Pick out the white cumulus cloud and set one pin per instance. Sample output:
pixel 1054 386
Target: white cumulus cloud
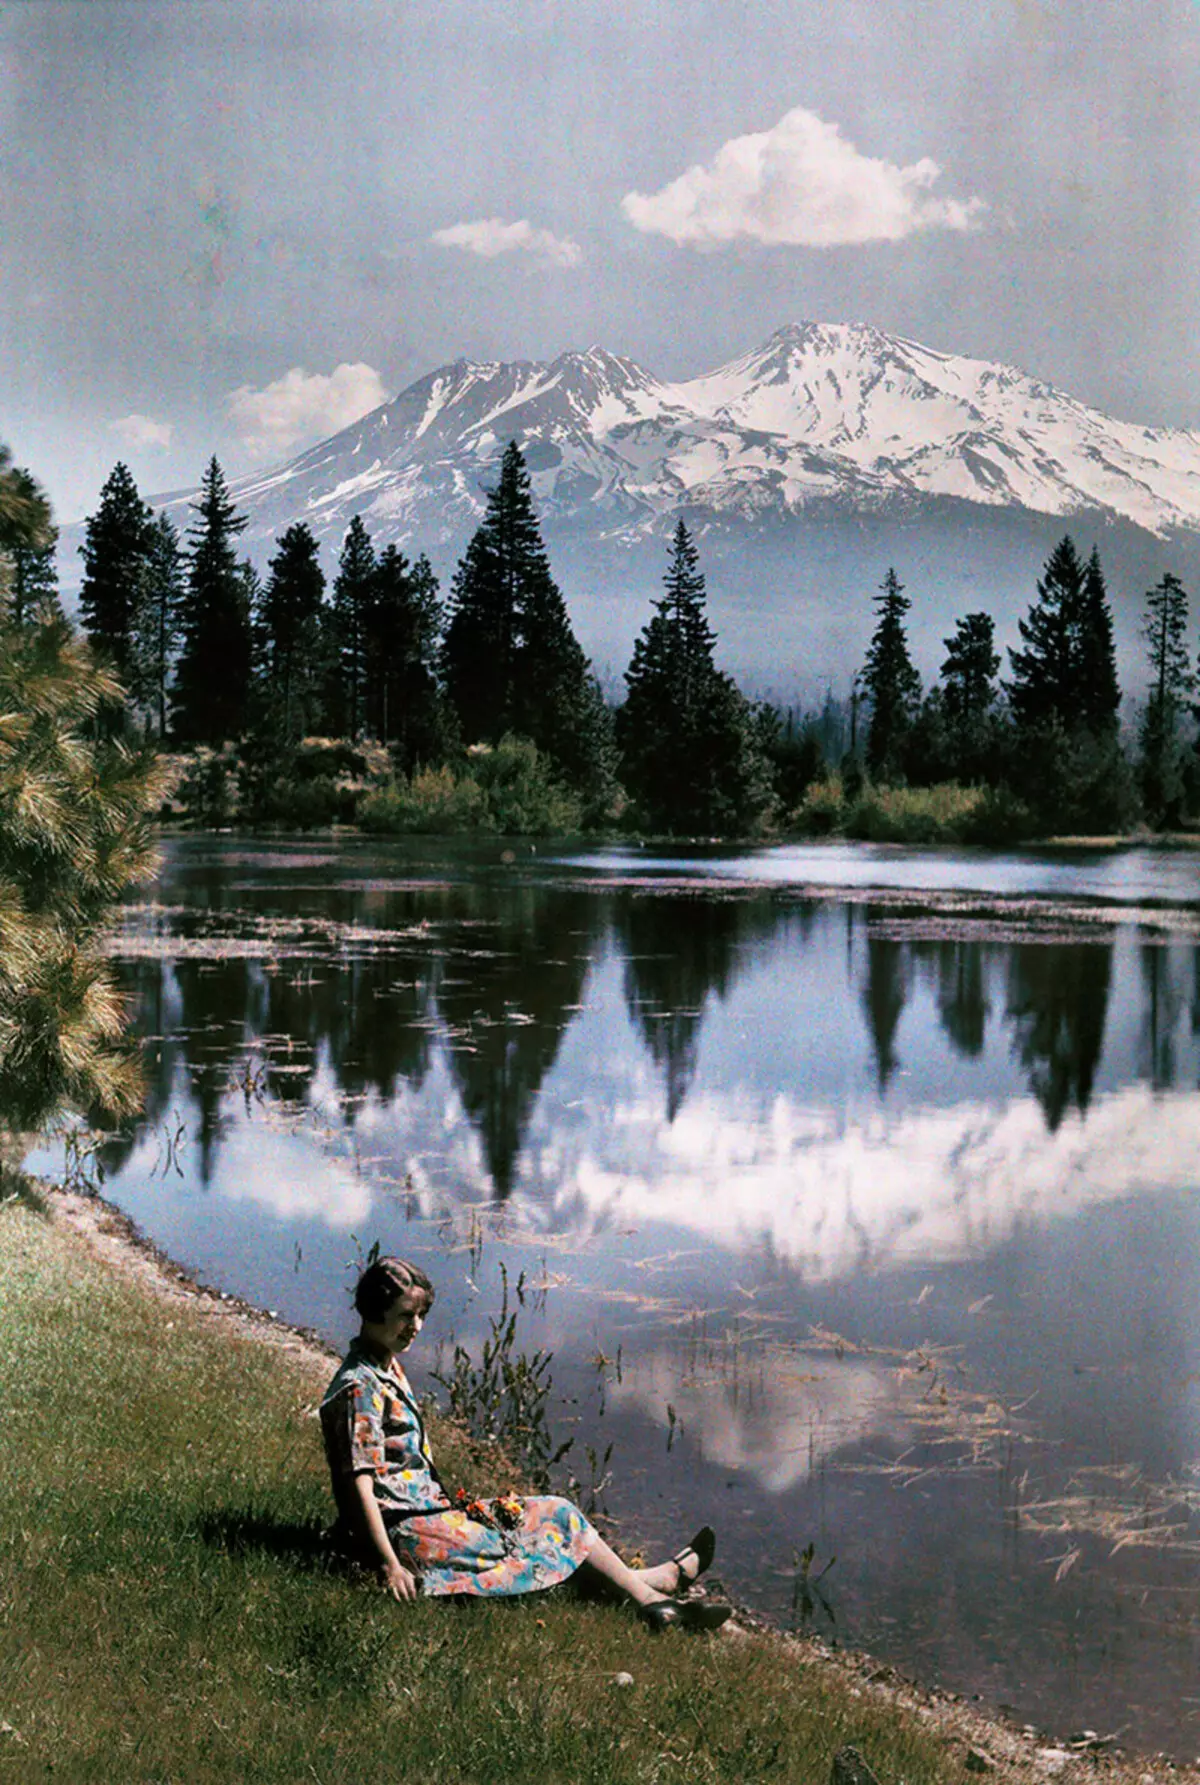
pixel 302 406
pixel 142 430
pixel 491 236
pixel 799 184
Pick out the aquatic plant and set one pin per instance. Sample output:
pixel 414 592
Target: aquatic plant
pixel 503 1397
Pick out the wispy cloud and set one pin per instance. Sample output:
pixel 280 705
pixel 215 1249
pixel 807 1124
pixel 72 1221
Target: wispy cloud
pixel 491 236
pixel 800 184
pixel 142 431
pixel 302 406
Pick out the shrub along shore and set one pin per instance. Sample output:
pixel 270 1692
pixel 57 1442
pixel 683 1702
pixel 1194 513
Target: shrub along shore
pixel 511 791
pixel 168 1614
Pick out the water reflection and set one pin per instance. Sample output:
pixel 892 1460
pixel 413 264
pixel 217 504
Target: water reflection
pixel 504 1006
pixel 947 1135
pixel 884 995
pixel 679 953
pixel 960 973
pixel 721 994
pixel 1057 1000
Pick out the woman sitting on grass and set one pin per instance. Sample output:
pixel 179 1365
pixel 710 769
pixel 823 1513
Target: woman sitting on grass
pixel 400 1520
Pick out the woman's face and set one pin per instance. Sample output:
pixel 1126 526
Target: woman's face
pixel 403 1320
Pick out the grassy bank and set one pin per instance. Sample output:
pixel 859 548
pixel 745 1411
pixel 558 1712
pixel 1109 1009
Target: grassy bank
pixel 165 1613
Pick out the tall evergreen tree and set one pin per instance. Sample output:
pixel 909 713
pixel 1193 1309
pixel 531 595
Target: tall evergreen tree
pixel 690 751
pixel 1099 690
pixel 115 553
pixel 1064 699
pixel 1162 762
pixel 289 620
pixel 212 683
pixel 157 622
pixel 891 683
pixel 1046 675
pixel 511 661
pixel 404 705
pixel 353 592
pixel 968 696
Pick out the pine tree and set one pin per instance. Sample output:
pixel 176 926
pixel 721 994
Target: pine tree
pixel 511 662
pixel 28 567
pixel 404 704
pixel 352 595
pixel 1161 764
pixel 25 519
pixel 1065 700
pixel 157 623
pixel 1099 690
pixel 73 838
pixel 212 681
pixel 890 682
pixel 115 552
pixel 289 621
pixel 1045 688
pixel 35 582
pixel 968 696
pixel 690 750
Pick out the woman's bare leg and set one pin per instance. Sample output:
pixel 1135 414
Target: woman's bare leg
pixel 631 1583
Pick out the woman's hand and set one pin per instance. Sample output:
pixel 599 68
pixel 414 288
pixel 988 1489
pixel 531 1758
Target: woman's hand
pixel 398 1580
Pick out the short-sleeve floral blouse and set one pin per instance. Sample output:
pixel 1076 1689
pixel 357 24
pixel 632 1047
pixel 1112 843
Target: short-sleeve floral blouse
pixel 371 1422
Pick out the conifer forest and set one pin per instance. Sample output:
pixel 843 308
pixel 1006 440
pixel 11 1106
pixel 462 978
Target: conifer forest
pixel 376 697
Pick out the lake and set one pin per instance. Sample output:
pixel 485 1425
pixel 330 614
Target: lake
pixel 853 1189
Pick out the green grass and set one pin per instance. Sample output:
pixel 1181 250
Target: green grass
pixel 166 1613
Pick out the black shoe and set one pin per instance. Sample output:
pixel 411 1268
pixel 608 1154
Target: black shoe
pixel 694 1614
pixel 704 1547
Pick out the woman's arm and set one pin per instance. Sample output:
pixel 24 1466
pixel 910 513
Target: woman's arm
pixel 398 1579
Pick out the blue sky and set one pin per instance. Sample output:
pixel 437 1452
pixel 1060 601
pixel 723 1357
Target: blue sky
pixel 232 227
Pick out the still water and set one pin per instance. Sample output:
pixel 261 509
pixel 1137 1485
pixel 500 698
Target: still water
pixel 855 1192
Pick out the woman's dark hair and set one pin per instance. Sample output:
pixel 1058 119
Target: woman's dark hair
pixel 384 1281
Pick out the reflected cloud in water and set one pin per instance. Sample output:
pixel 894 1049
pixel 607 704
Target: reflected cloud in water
pixel 778 1426
pixel 831 1197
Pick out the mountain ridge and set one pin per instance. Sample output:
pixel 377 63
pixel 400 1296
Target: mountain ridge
pixel 805 467
pixel 818 413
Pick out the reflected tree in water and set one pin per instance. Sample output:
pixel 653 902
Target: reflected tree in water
pixel 216 1005
pixel 153 1002
pixel 961 991
pixel 1164 1005
pixel 885 991
pixel 506 995
pixel 369 1016
pixel 678 952
pixel 1057 1003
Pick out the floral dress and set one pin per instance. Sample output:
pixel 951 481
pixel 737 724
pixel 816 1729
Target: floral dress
pixel 372 1424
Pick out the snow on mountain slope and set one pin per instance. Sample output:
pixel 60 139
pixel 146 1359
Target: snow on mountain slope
pixel 831 418
pixel 936 424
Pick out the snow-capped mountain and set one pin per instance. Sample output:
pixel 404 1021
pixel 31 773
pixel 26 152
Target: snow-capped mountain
pixel 822 417
pixel 805 469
